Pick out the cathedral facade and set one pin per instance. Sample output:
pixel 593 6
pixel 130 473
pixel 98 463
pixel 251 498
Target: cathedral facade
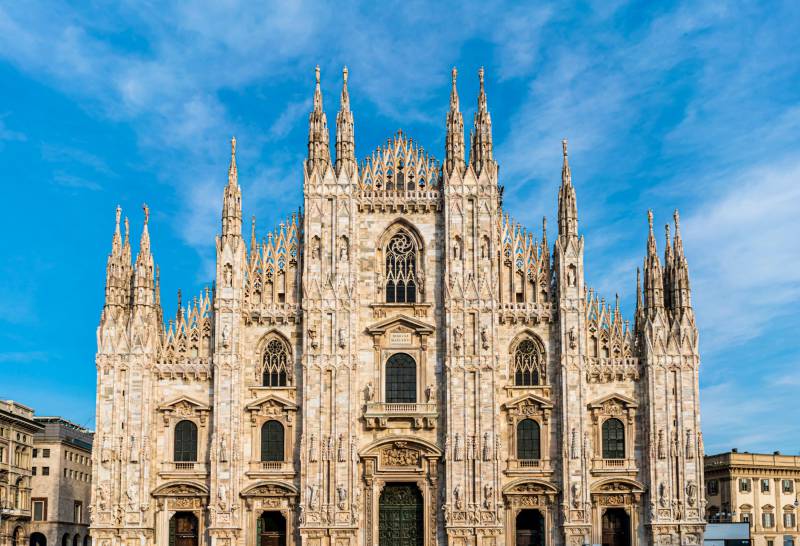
pixel 398 364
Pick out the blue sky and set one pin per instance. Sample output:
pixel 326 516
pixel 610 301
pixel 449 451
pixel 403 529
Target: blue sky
pixel 665 104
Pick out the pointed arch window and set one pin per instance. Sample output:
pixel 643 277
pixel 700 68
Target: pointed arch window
pixel 272 441
pixel 185 442
pixel 401 269
pixel 528 365
pixel 528 440
pixel 275 364
pixel 613 439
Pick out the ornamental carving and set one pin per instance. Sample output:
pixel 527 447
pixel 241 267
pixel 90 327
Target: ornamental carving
pixel 400 455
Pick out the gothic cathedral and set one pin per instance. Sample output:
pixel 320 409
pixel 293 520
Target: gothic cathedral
pixel 398 364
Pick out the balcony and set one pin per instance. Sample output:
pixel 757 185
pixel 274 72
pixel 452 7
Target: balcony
pixel 614 466
pixel 178 469
pixel 419 415
pixel 526 467
pixel 270 469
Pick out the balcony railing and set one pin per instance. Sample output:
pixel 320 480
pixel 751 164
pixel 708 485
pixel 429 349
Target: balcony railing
pixel 614 465
pixel 530 463
pixel 422 415
pixel 184 466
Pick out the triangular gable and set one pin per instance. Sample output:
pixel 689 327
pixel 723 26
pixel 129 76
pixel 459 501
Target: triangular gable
pixel 182 401
pixel 600 402
pixel 417 325
pixel 539 401
pixel 258 404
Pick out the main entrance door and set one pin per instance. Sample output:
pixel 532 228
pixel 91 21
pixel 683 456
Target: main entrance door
pixel 183 529
pixel 530 528
pixel 400 517
pixel 616 528
pixel 271 529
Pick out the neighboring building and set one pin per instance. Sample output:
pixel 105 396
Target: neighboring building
pixel 17 428
pixel 757 488
pixel 62 478
pixel 399 364
pixel 727 534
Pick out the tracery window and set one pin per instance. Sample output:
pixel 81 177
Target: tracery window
pixel 276 358
pixel 528 440
pixel 401 269
pixel 185 442
pixel 528 364
pixel 613 439
pixel 272 441
pixel 401 379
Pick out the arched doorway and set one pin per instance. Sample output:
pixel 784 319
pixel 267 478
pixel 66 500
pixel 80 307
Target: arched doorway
pixel 38 539
pixel 183 529
pixel 16 538
pixel 530 528
pixel 271 529
pixel 400 517
pixel 616 527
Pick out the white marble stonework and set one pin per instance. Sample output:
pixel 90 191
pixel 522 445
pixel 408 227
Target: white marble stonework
pixel 297 344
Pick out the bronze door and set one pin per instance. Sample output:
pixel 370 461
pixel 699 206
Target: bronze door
pixel 400 516
pixel 616 528
pixel 530 528
pixel 271 529
pixel 183 529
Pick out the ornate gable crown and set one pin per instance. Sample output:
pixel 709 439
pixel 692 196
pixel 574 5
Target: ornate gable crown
pixel 400 165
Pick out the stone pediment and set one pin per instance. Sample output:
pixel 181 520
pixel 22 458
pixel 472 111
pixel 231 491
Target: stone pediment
pixel 400 321
pixel 270 489
pixel 271 401
pixel 181 489
pixel 528 400
pixel 618 485
pixel 184 403
pixel 613 401
pixel 408 443
pixel 530 487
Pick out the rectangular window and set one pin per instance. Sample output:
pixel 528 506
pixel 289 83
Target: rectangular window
pixel 45 471
pixel 65 472
pixel 744 485
pixel 746 517
pixel 35 453
pixel 713 487
pixel 768 520
pixel 770 542
pixel 78 512
pixel 46 453
pixel 33 471
pixel 765 486
pixel 39 509
pixel 788 519
pixel 2 454
pixel 787 486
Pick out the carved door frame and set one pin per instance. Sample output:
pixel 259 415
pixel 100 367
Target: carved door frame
pixel 616 493
pixel 400 459
pixel 175 497
pixel 269 496
pixel 527 494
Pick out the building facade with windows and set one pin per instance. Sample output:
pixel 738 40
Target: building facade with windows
pixel 398 364
pixel 760 489
pixel 17 428
pixel 61 484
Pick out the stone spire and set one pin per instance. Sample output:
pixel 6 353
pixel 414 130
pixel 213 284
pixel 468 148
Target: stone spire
pixel 319 154
pixel 653 278
pixel 480 155
pixel 454 141
pixel 143 279
pixel 681 290
pixel 118 269
pixel 567 203
pixel 345 133
pixel 667 268
pixel 232 200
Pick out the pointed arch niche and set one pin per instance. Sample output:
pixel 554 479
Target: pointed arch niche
pixel 400 270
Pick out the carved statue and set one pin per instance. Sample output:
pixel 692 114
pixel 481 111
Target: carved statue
pixel 587 447
pixel 457 497
pixel 572 338
pixel 340 450
pixel 312 337
pixel 134 451
pixel 689 445
pixel 130 494
pixel 457 455
pixel 691 493
pixel 661 451
pixel 223 447
pixel 488 490
pixel 312 496
pixel 573 444
pixel 315 250
pixel 484 337
pixel 342 339
pixel 369 392
pixel 576 494
pixel 487 447
pixel 228 275
pixel 428 393
pixel 102 497
pixel 226 336
pixel 662 495
pixel 222 493
pixel 343 250
pixel 458 336
pixel 341 497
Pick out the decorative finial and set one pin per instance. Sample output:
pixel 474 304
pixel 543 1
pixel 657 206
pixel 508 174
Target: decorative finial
pixel 677 218
pixel 344 75
pixel 480 76
pixel 564 146
pixel 233 147
pixel 316 71
pixel 454 73
pixel 666 232
pixel 119 213
pixel 650 220
pixel 146 213
pixel 127 229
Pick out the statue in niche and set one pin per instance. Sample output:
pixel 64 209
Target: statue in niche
pixel 457 448
pixel 343 249
pixel 223 448
pixel 485 250
pixel 662 495
pixel 312 337
pixel 312 496
pixel 315 248
pixel 488 490
pixel 487 447
pixel 369 392
pixel 341 497
pixel 340 450
pixel 130 494
pixel 457 497
pixel 576 494
pixel 573 442
pixel 691 493
pixel 571 276
pixel 458 336
pixel 342 339
pixel 429 393
pixel 485 337
pixel 222 493
pixel 228 275
pixel 226 336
